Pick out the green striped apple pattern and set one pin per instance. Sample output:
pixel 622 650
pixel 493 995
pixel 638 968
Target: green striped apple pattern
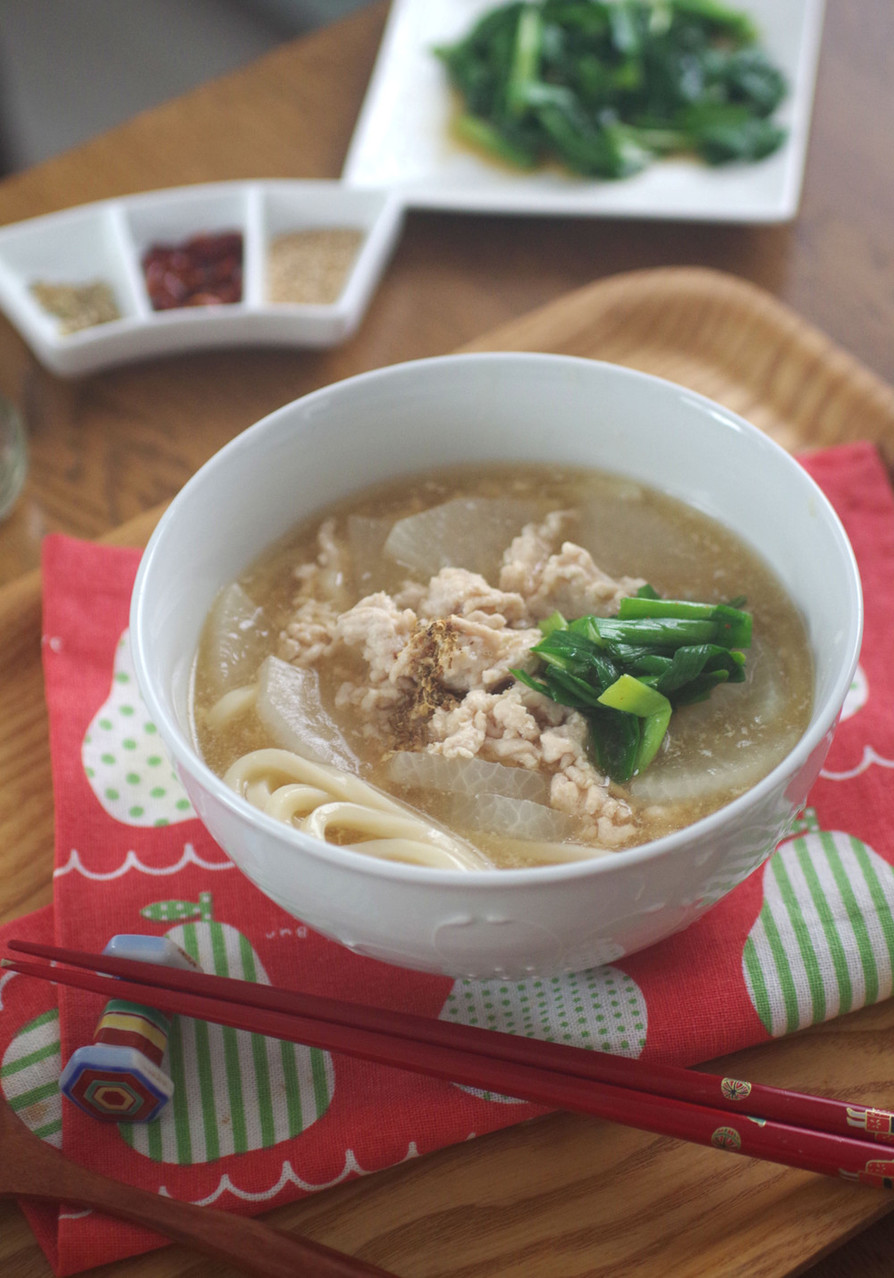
pixel 823 943
pixel 29 1075
pixel 603 1008
pixel 233 1091
pixel 123 758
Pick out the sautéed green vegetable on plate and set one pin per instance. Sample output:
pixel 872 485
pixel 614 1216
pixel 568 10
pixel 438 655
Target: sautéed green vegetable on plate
pixel 604 87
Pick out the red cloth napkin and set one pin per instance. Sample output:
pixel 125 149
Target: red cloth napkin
pixel 254 1122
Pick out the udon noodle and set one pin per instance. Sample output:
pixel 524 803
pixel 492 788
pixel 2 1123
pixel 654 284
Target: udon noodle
pixel 337 807
pixel 356 683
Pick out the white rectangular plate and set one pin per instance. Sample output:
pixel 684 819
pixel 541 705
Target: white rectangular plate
pixel 402 140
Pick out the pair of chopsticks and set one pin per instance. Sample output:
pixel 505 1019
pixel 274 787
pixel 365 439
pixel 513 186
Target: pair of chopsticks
pixel 809 1132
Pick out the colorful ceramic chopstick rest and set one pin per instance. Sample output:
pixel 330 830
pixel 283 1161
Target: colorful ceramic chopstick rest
pixel 119 1076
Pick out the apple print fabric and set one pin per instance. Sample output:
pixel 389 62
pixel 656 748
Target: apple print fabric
pixel 128 771
pixel 254 1122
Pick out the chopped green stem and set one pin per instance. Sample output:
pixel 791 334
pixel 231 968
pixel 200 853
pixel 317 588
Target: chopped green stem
pixel 733 625
pixel 635 697
pixel 627 674
pixel 526 61
pixel 554 622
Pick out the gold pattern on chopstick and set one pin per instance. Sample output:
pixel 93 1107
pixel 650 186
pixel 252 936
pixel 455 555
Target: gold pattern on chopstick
pixel 878 1123
pixel 726 1138
pixel 735 1089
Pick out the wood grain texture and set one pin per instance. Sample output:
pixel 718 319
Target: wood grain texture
pixel 108 446
pixel 563 1195
pixel 726 337
pixel 36 1169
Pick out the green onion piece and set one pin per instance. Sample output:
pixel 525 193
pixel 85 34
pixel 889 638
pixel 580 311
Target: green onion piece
pixel 562 687
pixel 701 688
pixel 654 732
pixel 733 625
pixel 530 682
pixel 690 663
pixel 653 664
pixel 627 674
pixel 566 650
pixel 632 696
pixel 571 690
pixel 616 740
pixel 637 606
pixel 555 621
pixel 660 632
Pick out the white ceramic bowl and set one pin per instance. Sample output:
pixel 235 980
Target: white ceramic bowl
pixel 491 407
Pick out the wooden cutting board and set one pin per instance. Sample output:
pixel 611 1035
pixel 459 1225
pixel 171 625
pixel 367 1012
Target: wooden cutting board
pixel 560 1196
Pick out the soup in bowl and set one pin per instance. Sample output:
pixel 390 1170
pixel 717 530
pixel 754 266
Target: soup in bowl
pixel 498 664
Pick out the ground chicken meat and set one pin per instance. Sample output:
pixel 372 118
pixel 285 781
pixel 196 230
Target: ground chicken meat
pixel 310 635
pixel 454 590
pixel 524 560
pixel 375 705
pixel 520 727
pixel 566 579
pixel 429 668
pixel 327 577
pixel 380 630
pixel 322 593
pixel 469 654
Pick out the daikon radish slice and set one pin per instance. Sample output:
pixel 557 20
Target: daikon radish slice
pixel 466 776
pixel 291 709
pixel 470 533
pixel 236 637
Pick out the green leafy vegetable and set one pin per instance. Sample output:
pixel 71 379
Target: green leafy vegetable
pixel 606 86
pixel 634 697
pixel 627 674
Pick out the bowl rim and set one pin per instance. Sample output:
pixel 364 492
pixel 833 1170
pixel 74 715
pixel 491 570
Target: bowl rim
pixel 824 717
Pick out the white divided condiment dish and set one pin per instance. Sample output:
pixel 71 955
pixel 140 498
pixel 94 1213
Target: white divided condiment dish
pixel 105 241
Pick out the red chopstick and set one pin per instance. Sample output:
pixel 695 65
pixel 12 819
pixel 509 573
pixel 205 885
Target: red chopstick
pixel 554 1075
pixel 735 1095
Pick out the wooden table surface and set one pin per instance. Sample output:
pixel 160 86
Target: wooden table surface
pixel 108 447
